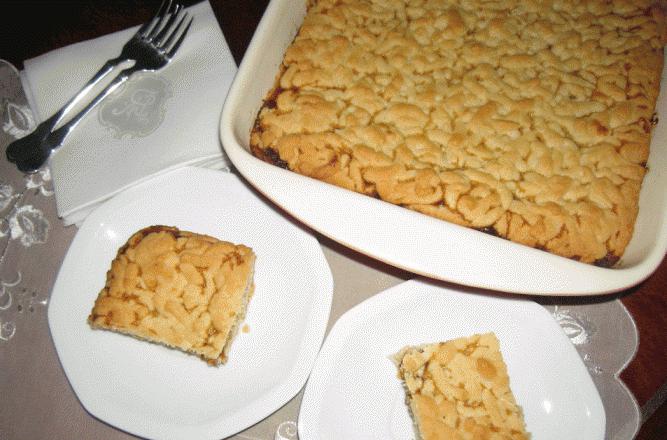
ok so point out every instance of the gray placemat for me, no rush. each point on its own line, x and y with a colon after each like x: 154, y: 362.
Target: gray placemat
x: 38, y: 402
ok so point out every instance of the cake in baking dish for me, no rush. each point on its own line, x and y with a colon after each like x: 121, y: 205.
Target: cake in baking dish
x: 530, y: 120
x: 459, y: 390
x: 177, y: 288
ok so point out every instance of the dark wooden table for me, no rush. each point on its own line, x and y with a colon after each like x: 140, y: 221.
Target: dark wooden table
x: 30, y: 28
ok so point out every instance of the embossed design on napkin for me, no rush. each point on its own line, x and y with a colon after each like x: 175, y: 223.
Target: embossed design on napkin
x: 138, y: 108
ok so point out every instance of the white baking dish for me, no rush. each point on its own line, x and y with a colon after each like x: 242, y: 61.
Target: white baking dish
x: 413, y: 241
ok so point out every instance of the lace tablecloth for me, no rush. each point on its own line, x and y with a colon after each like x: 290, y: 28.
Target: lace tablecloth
x: 37, y: 400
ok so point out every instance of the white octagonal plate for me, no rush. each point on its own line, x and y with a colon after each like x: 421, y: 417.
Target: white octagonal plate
x: 354, y: 392
x: 153, y: 391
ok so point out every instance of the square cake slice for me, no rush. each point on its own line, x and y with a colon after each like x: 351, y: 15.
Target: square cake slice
x: 460, y: 390
x: 180, y: 289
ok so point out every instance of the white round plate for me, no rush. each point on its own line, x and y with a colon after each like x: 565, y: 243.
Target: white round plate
x: 354, y: 392
x: 156, y: 392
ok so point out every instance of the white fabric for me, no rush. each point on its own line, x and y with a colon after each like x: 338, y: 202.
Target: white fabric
x: 95, y: 163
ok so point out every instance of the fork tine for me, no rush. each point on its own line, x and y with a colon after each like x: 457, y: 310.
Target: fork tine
x: 173, y: 34
x: 143, y: 30
x: 158, y: 26
x: 178, y: 42
x: 168, y: 27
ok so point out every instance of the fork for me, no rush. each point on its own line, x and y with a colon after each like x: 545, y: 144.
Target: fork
x: 151, y: 47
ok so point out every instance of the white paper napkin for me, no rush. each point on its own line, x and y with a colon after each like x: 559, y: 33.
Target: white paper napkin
x: 156, y: 121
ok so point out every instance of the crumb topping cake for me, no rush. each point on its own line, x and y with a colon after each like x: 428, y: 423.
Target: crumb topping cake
x: 459, y: 390
x: 184, y: 290
x: 530, y: 120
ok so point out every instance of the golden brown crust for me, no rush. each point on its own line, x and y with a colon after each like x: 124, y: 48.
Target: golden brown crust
x: 177, y: 288
x: 530, y: 119
x: 460, y: 390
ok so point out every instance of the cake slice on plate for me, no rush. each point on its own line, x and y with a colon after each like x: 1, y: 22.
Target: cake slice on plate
x: 177, y: 288
x: 460, y: 390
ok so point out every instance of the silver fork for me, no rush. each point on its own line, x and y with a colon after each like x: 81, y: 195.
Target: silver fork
x: 151, y: 47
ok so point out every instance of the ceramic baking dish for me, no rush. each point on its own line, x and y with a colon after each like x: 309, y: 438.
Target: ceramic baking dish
x: 408, y: 239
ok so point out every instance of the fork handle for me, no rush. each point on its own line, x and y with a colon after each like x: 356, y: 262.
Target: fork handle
x: 29, y: 160
x: 56, y: 138
x: 27, y: 146
x: 104, y: 70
